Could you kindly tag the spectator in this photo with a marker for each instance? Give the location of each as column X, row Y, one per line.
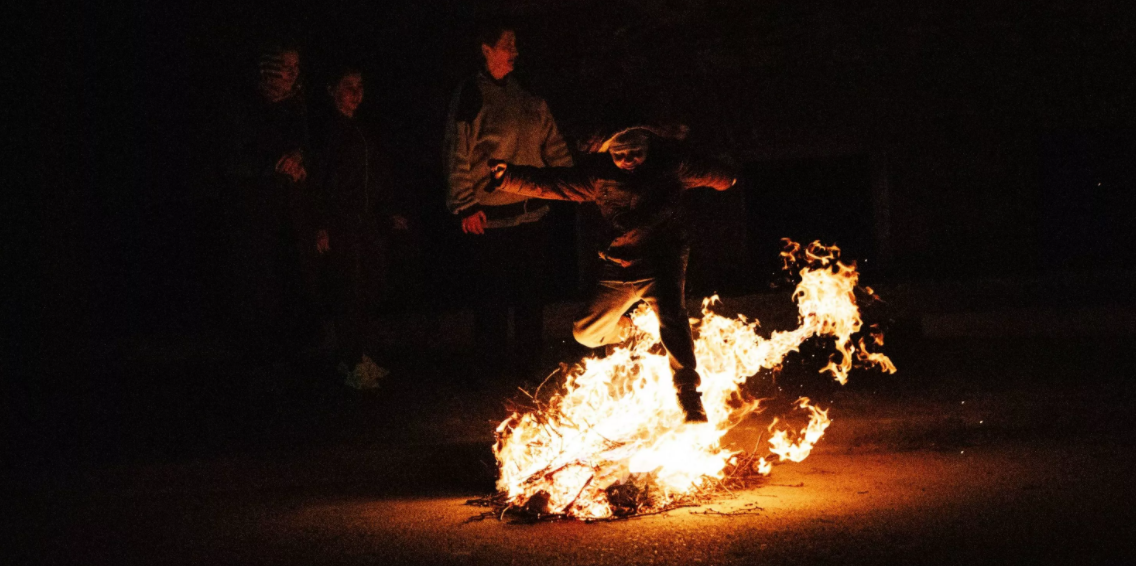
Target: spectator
column 351, row 178
column 638, row 187
column 493, row 117
column 267, row 172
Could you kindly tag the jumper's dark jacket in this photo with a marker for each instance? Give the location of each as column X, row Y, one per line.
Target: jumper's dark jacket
column 641, row 209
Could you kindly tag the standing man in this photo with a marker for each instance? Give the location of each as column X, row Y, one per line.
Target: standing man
column 492, row 117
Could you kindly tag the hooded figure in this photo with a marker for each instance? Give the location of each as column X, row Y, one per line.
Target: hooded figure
column 636, row 176
column 266, row 201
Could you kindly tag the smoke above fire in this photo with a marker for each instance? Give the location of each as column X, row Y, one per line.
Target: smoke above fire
column 614, row 426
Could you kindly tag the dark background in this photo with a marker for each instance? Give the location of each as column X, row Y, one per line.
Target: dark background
column 934, row 141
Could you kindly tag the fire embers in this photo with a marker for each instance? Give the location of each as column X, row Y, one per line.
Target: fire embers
column 627, row 499
column 612, row 442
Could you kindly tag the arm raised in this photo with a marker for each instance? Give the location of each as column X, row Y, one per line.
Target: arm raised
column 703, row 172
column 553, row 183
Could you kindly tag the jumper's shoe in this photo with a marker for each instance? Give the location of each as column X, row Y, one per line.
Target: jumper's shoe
column 691, row 403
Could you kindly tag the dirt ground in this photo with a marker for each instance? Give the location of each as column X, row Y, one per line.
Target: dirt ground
column 978, row 451
column 999, row 502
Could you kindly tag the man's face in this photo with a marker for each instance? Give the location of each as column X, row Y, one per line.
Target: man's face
column 628, row 158
column 347, row 94
column 278, row 75
column 500, row 57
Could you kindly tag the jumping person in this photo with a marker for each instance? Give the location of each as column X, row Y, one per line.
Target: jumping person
column 638, row 188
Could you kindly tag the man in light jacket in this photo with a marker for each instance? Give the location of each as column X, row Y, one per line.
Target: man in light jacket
column 492, row 117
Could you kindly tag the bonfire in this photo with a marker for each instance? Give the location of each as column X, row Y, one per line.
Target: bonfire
column 610, row 441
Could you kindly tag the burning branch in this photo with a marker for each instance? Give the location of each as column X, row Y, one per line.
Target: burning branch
column 612, row 441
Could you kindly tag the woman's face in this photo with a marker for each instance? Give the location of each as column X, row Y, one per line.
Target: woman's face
column 500, row 57
column 278, row 75
column 347, row 94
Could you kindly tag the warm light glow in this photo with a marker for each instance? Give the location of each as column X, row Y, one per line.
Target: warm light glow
column 786, row 449
column 616, row 421
column 762, row 467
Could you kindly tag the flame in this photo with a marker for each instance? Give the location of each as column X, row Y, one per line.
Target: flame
column 785, row 449
column 616, row 420
column 762, row 467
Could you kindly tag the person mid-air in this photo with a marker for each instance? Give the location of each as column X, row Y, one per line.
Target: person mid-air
column 638, row 191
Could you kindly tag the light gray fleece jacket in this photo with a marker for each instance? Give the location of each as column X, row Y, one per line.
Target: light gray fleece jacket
column 491, row 119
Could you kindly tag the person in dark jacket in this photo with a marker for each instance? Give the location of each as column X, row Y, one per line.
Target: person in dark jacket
column 267, row 173
column 352, row 182
column 636, row 178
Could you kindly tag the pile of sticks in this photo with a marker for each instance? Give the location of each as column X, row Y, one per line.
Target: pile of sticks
column 636, row 498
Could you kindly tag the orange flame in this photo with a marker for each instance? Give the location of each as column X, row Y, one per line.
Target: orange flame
column 617, row 420
column 785, row 449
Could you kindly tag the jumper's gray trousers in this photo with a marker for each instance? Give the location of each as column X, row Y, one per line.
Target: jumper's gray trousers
column 601, row 322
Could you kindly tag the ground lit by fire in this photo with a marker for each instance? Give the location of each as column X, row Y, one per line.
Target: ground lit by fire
column 612, row 439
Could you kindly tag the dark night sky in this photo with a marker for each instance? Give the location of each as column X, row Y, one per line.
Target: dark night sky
column 993, row 123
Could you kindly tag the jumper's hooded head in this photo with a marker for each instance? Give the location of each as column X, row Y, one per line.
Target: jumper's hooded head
column 629, row 147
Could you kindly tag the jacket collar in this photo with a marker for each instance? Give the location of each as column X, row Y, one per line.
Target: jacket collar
column 501, row 83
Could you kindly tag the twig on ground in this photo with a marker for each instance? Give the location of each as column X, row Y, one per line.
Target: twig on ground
column 734, row 513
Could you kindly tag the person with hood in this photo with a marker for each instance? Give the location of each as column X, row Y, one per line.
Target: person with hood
column 267, row 173
column 493, row 117
column 636, row 176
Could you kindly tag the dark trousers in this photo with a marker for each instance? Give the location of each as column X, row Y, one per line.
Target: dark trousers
column 601, row 321
column 509, row 272
column 346, row 284
column 269, row 298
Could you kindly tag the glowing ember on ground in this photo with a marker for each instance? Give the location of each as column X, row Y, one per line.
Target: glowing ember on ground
column 613, row 441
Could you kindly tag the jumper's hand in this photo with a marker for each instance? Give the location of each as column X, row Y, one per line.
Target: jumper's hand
column 474, row 223
column 620, row 262
column 498, row 168
column 723, row 187
column 323, row 243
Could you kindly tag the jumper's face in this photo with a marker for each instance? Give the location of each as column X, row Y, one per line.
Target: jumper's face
column 629, row 158
column 278, row 74
column 501, row 56
column 347, row 94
